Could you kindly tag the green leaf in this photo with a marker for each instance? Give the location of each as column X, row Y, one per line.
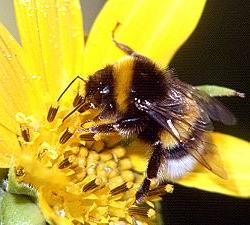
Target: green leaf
column 19, row 210
column 1, row 198
column 218, row 91
column 20, row 188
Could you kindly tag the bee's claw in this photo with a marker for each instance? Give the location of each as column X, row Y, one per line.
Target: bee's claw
column 139, row 198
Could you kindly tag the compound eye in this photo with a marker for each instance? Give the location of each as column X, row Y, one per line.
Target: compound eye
column 105, row 91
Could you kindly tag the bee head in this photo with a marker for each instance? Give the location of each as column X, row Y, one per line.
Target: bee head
column 99, row 87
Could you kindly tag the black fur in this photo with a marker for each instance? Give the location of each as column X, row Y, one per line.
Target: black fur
column 99, row 90
column 148, row 81
column 155, row 99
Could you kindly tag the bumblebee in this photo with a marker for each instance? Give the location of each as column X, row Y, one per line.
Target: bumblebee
column 146, row 101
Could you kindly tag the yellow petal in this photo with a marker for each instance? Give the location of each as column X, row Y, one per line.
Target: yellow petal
column 152, row 28
column 48, row 212
column 9, row 147
column 17, row 94
column 235, row 154
column 52, row 38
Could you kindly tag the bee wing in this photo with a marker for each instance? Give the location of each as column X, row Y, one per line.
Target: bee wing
column 197, row 150
column 213, row 107
column 161, row 113
column 204, row 151
column 207, row 155
column 170, row 107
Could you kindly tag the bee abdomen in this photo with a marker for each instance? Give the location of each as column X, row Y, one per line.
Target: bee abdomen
column 178, row 158
column 183, row 148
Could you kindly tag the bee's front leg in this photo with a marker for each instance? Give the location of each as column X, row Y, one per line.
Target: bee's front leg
column 126, row 127
column 102, row 128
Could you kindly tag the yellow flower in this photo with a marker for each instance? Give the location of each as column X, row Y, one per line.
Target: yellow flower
column 79, row 178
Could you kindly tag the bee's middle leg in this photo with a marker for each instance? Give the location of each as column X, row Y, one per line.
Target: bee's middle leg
column 152, row 171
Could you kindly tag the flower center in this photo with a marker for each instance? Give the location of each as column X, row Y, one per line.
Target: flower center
column 81, row 177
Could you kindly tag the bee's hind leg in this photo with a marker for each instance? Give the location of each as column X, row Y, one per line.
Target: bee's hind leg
column 152, row 171
column 125, row 48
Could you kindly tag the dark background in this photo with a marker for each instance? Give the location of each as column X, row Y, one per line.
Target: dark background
column 218, row 52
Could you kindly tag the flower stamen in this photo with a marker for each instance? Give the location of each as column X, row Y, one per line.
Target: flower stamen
column 75, row 222
column 91, row 185
column 25, row 133
column 160, row 190
column 64, row 164
column 121, row 189
column 19, row 171
column 141, row 211
column 78, row 99
column 52, row 112
column 87, row 137
column 66, row 135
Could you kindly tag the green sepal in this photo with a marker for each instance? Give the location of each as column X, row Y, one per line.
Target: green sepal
column 218, row 91
column 20, row 188
column 19, row 210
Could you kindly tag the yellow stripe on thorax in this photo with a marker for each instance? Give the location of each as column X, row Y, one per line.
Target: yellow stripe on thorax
column 123, row 76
